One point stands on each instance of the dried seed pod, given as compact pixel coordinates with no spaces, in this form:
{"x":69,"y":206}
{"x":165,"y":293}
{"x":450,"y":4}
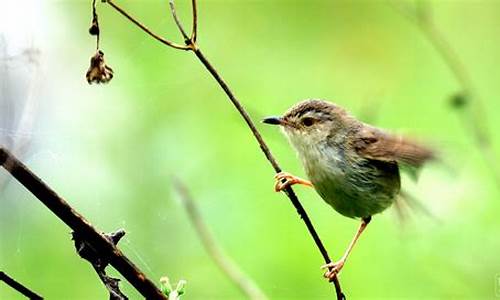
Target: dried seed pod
{"x":98,"y":71}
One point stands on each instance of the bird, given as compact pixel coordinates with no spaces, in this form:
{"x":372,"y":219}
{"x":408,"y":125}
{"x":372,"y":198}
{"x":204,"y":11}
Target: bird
{"x":353,"y":166}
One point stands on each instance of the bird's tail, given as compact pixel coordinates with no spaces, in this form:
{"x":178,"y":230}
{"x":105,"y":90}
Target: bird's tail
{"x":406,"y":204}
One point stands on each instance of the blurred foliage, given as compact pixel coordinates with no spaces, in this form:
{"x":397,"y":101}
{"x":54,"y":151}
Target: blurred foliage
{"x":111,"y":150}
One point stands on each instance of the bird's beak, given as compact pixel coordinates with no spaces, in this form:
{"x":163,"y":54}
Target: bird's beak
{"x":273,"y":120}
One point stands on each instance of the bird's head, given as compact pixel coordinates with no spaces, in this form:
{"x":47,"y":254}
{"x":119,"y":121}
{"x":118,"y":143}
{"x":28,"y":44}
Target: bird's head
{"x":310,"y":122}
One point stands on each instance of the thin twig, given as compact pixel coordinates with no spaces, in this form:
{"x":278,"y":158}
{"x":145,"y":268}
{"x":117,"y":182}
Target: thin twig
{"x":19,"y":287}
{"x":192,"y":45}
{"x":145,"y":29}
{"x":177,"y":21}
{"x":79,"y":224}
{"x":96,"y":20}
{"x":473,"y":121}
{"x":240,"y":279}
{"x":194,"y":33}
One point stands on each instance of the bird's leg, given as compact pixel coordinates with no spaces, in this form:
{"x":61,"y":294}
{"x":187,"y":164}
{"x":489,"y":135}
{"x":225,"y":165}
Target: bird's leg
{"x":284,"y":180}
{"x":337,"y":266}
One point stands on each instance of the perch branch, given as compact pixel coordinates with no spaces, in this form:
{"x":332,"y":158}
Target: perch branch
{"x":472,"y":121}
{"x":240,"y":279}
{"x":193,"y":46}
{"x":98,"y":241}
{"x":19,"y":287}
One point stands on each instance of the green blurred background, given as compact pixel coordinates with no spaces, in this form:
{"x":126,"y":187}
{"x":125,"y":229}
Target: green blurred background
{"x":111,"y":150}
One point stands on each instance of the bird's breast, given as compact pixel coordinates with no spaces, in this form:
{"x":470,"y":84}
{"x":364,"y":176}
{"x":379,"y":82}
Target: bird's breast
{"x":353,"y":187}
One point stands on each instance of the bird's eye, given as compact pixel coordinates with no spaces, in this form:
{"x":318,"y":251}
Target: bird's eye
{"x":308,"y":121}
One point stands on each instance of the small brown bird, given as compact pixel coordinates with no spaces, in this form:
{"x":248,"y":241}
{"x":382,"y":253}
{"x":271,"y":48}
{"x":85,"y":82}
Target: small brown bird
{"x":353,"y":166}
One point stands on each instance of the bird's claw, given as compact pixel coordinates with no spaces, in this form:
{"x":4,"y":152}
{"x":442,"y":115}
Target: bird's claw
{"x":333,"y":269}
{"x":284,"y":180}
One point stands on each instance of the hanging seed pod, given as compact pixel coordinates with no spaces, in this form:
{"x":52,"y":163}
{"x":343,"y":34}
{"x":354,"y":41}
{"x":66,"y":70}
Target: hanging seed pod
{"x":98,"y":71}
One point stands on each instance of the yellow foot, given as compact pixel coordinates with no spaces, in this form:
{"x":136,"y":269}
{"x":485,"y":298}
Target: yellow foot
{"x":284,"y":180}
{"x":335,"y":269}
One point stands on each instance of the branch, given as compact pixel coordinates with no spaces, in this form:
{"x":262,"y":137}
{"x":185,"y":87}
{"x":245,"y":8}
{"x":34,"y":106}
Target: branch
{"x":19,"y":287}
{"x":194,"y":33}
{"x":87,"y":252}
{"x":235,"y":274}
{"x":145,"y":29}
{"x":288,"y":191}
{"x":193,"y":46}
{"x":423,"y":19}
{"x":99,"y":242}
{"x":178,"y":22}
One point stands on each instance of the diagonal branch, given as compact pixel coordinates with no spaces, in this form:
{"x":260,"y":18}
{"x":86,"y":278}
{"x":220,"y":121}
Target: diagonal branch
{"x":288,"y":191}
{"x":98,"y":241}
{"x":240,"y":279}
{"x":193,"y":46}
{"x":19,"y":287}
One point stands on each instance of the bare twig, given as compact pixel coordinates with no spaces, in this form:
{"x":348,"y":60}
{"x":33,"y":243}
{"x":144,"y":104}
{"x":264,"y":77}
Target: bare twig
{"x":194,"y":33}
{"x":473,"y":120}
{"x":145,"y":29}
{"x":98,"y":241}
{"x":231,"y":269}
{"x":193,"y":46}
{"x":178,"y":22}
{"x":19,"y":287}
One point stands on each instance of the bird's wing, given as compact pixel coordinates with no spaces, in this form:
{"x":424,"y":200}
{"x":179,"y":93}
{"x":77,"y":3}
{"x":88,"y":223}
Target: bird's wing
{"x":375,"y":144}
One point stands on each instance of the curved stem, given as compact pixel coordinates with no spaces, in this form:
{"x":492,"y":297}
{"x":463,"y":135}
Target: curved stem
{"x":194,"y":33}
{"x":224,"y":262}
{"x":145,"y":29}
{"x":177,"y":21}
